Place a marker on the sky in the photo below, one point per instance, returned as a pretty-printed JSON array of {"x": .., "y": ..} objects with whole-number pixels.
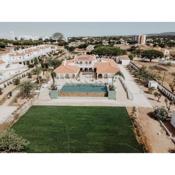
[{"x": 69, "y": 29}]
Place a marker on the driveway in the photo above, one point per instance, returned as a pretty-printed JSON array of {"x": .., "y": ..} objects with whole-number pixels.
[{"x": 139, "y": 97}]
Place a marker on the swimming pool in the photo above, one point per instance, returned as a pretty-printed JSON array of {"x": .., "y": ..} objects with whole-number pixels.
[{"x": 83, "y": 90}]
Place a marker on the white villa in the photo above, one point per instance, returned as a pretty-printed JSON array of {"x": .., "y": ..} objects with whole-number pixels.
[
  {"x": 26, "y": 55},
  {"x": 8, "y": 71},
  {"x": 13, "y": 65},
  {"x": 87, "y": 65}
]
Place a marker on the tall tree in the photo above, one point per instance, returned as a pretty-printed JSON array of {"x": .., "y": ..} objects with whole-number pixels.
[
  {"x": 26, "y": 88},
  {"x": 151, "y": 54},
  {"x": 53, "y": 75}
]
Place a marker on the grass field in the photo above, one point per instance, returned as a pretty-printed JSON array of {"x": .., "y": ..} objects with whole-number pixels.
[{"x": 78, "y": 130}]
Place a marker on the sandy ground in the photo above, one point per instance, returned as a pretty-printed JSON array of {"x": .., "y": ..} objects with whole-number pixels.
[
  {"x": 153, "y": 134},
  {"x": 167, "y": 73}
]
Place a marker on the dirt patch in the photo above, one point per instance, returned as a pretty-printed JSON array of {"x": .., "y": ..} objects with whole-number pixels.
[
  {"x": 150, "y": 132},
  {"x": 164, "y": 72}
]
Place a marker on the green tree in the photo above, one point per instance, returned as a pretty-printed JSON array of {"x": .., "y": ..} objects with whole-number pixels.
[
  {"x": 16, "y": 81},
  {"x": 2, "y": 45},
  {"x": 37, "y": 72},
  {"x": 151, "y": 54},
  {"x": 53, "y": 75},
  {"x": 108, "y": 51},
  {"x": 54, "y": 63},
  {"x": 131, "y": 57},
  {"x": 26, "y": 88},
  {"x": 160, "y": 114},
  {"x": 57, "y": 36},
  {"x": 11, "y": 142}
]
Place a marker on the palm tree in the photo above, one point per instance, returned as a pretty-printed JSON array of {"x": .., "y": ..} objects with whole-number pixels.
[
  {"x": 37, "y": 71},
  {"x": 26, "y": 88},
  {"x": 53, "y": 75}
]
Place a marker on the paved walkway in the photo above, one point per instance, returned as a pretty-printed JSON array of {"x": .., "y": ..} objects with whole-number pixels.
[
  {"x": 5, "y": 113},
  {"x": 140, "y": 98}
]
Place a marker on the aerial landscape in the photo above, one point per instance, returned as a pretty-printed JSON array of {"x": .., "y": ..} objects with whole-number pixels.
[{"x": 87, "y": 87}]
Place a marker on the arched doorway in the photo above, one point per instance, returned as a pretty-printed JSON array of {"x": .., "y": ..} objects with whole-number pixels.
[
  {"x": 90, "y": 69},
  {"x": 67, "y": 76},
  {"x": 100, "y": 76}
]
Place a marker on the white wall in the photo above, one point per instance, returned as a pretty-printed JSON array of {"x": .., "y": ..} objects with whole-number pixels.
[
  {"x": 173, "y": 121},
  {"x": 125, "y": 62}
]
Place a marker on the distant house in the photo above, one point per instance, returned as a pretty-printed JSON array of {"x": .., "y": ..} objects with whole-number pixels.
[
  {"x": 90, "y": 48},
  {"x": 166, "y": 53},
  {"x": 26, "y": 55},
  {"x": 123, "y": 59}
]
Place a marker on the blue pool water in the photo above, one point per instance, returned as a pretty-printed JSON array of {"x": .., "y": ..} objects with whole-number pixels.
[{"x": 84, "y": 88}]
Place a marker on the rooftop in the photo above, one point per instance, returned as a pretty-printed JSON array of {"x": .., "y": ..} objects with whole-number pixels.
[
  {"x": 107, "y": 66},
  {"x": 85, "y": 58},
  {"x": 65, "y": 68}
]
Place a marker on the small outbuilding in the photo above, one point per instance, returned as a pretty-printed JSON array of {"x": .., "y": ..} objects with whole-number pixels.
[
  {"x": 152, "y": 84},
  {"x": 124, "y": 60}
]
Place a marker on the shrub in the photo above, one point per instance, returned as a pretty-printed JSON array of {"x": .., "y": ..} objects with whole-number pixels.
[
  {"x": 11, "y": 142},
  {"x": 160, "y": 114},
  {"x": 16, "y": 81},
  {"x": 26, "y": 88}
]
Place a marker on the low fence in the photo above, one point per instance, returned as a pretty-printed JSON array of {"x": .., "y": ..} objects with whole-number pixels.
[
  {"x": 13, "y": 77},
  {"x": 166, "y": 92},
  {"x": 129, "y": 94},
  {"x": 21, "y": 110}
]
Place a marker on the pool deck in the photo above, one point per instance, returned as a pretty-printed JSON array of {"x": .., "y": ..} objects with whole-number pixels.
[
  {"x": 140, "y": 99},
  {"x": 77, "y": 101}
]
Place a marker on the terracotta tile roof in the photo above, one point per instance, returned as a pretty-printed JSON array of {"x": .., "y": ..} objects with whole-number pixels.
[
  {"x": 107, "y": 66},
  {"x": 63, "y": 69},
  {"x": 85, "y": 58},
  {"x": 2, "y": 62}
]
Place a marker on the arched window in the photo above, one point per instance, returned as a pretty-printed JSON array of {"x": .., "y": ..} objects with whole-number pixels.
[{"x": 99, "y": 75}]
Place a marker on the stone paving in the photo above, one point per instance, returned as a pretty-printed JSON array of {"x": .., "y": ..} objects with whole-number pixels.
[
  {"x": 5, "y": 113},
  {"x": 139, "y": 97},
  {"x": 139, "y": 100}
]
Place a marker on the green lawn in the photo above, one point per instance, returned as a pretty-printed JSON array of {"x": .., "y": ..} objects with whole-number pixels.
[{"x": 78, "y": 130}]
